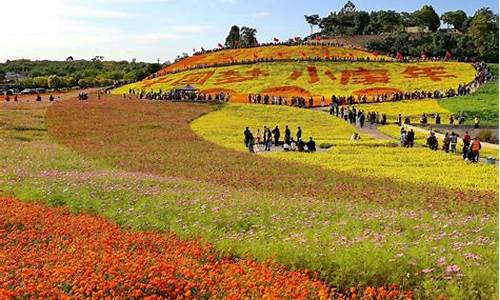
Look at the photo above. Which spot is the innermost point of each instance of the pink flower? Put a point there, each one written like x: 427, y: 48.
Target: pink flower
x: 452, y: 269
x: 398, y: 255
x: 426, y: 271
x: 441, y: 261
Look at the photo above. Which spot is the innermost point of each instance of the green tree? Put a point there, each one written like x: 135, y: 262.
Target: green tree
x: 361, y: 21
x: 233, y: 38
x: 427, y: 17
x: 248, y: 36
x: 481, y: 26
x: 456, y: 19
x: 40, y: 82
x: 312, y: 20
x: 54, y: 82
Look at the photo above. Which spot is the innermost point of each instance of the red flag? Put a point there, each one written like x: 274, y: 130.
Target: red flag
x: 376, y: 54
x: 255, y: 56
x: 202, y: 50
x: 423, y: 55
x: 303, y: 54
x: 221, y: 46
x: 327, y: 55
x: 280, y: 55
x: 276, y: 40
x: 318, y: 38
x: 399, y: 55
x: 448, y: 55
x: 194, y: 50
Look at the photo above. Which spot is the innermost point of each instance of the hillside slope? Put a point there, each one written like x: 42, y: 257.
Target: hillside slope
x: 314, y: 79
x: 280, y: 52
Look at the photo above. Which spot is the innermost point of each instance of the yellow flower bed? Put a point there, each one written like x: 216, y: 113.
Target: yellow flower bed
x: 412, y: 108
x: 367, y: 157
x: 421, y: 138
x: 315, y: 78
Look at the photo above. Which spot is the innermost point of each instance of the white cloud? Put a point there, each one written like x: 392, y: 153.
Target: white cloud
x: 191, y: 28
x: 85, y: 12
x: 157, y: 36
x: 262, y: 14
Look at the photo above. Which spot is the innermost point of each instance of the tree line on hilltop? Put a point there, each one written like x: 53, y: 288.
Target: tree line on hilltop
x: 413, y: 33
x: 25, y: 73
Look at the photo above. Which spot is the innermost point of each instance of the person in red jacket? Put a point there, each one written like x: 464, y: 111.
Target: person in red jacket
x: 475, y: 146
x: 466, y: 141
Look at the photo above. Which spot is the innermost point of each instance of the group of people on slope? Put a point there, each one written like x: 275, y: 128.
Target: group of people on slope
x: 358, y: 117
x: 296, y: 101
x: 470, y: 149
x: 407, y: 138
x: 461, y: 119
x: 269, y: 137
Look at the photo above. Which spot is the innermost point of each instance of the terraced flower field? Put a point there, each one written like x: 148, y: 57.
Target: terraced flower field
x: 315, y: 78
x: 150, y: 171
x: 271, y: 52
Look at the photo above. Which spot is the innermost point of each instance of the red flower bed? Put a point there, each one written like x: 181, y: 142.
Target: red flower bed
x: 52, y: 253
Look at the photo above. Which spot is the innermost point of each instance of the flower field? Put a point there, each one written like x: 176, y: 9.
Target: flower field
x: 51, y: 253
x: 351, y: 228
x: 270, y: 52
x: 315, y: 78
x: 365, y: 158
x: 421, y: 138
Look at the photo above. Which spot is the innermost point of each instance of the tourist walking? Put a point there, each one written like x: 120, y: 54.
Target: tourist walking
x: 446, y: 143
x: 474, y: 149
x: 276, y: 133
x: 299, y: 133
x: 466, y: 141
x: 453, y: 142
x: 410, y: 137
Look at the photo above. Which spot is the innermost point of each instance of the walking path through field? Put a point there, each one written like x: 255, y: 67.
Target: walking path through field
x: 377, y: 134
x: 440, y: 136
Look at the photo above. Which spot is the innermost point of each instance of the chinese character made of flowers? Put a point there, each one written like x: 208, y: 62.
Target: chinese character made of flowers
x: 194, y: 78
x: 433, y: 73
x: 364, y: 76
x: 233, y: 76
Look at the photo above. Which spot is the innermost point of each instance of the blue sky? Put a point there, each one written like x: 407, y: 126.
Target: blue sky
x: 161, y: 29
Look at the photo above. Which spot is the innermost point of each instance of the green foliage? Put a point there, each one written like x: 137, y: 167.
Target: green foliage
x: 484, y: 31
x: 233, y: 38
x: 58, y: 74
x: 483, y: 103
x: 427, y: 17
x: 244, y: 37
x: 312, y: 20
x: 477, y: 36
x: 457, y: 19
x: 248, y: 36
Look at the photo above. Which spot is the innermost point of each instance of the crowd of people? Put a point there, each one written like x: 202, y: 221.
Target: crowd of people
x: 470, y: 149
x: 358, y: 117
x: 269, y: 138
x: 182, y: 95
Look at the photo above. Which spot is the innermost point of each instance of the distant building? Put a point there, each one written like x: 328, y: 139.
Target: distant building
x: 11, y: 77
x: 416, y: 29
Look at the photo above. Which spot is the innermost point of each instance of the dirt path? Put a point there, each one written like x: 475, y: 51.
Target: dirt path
x: 440, y: 136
